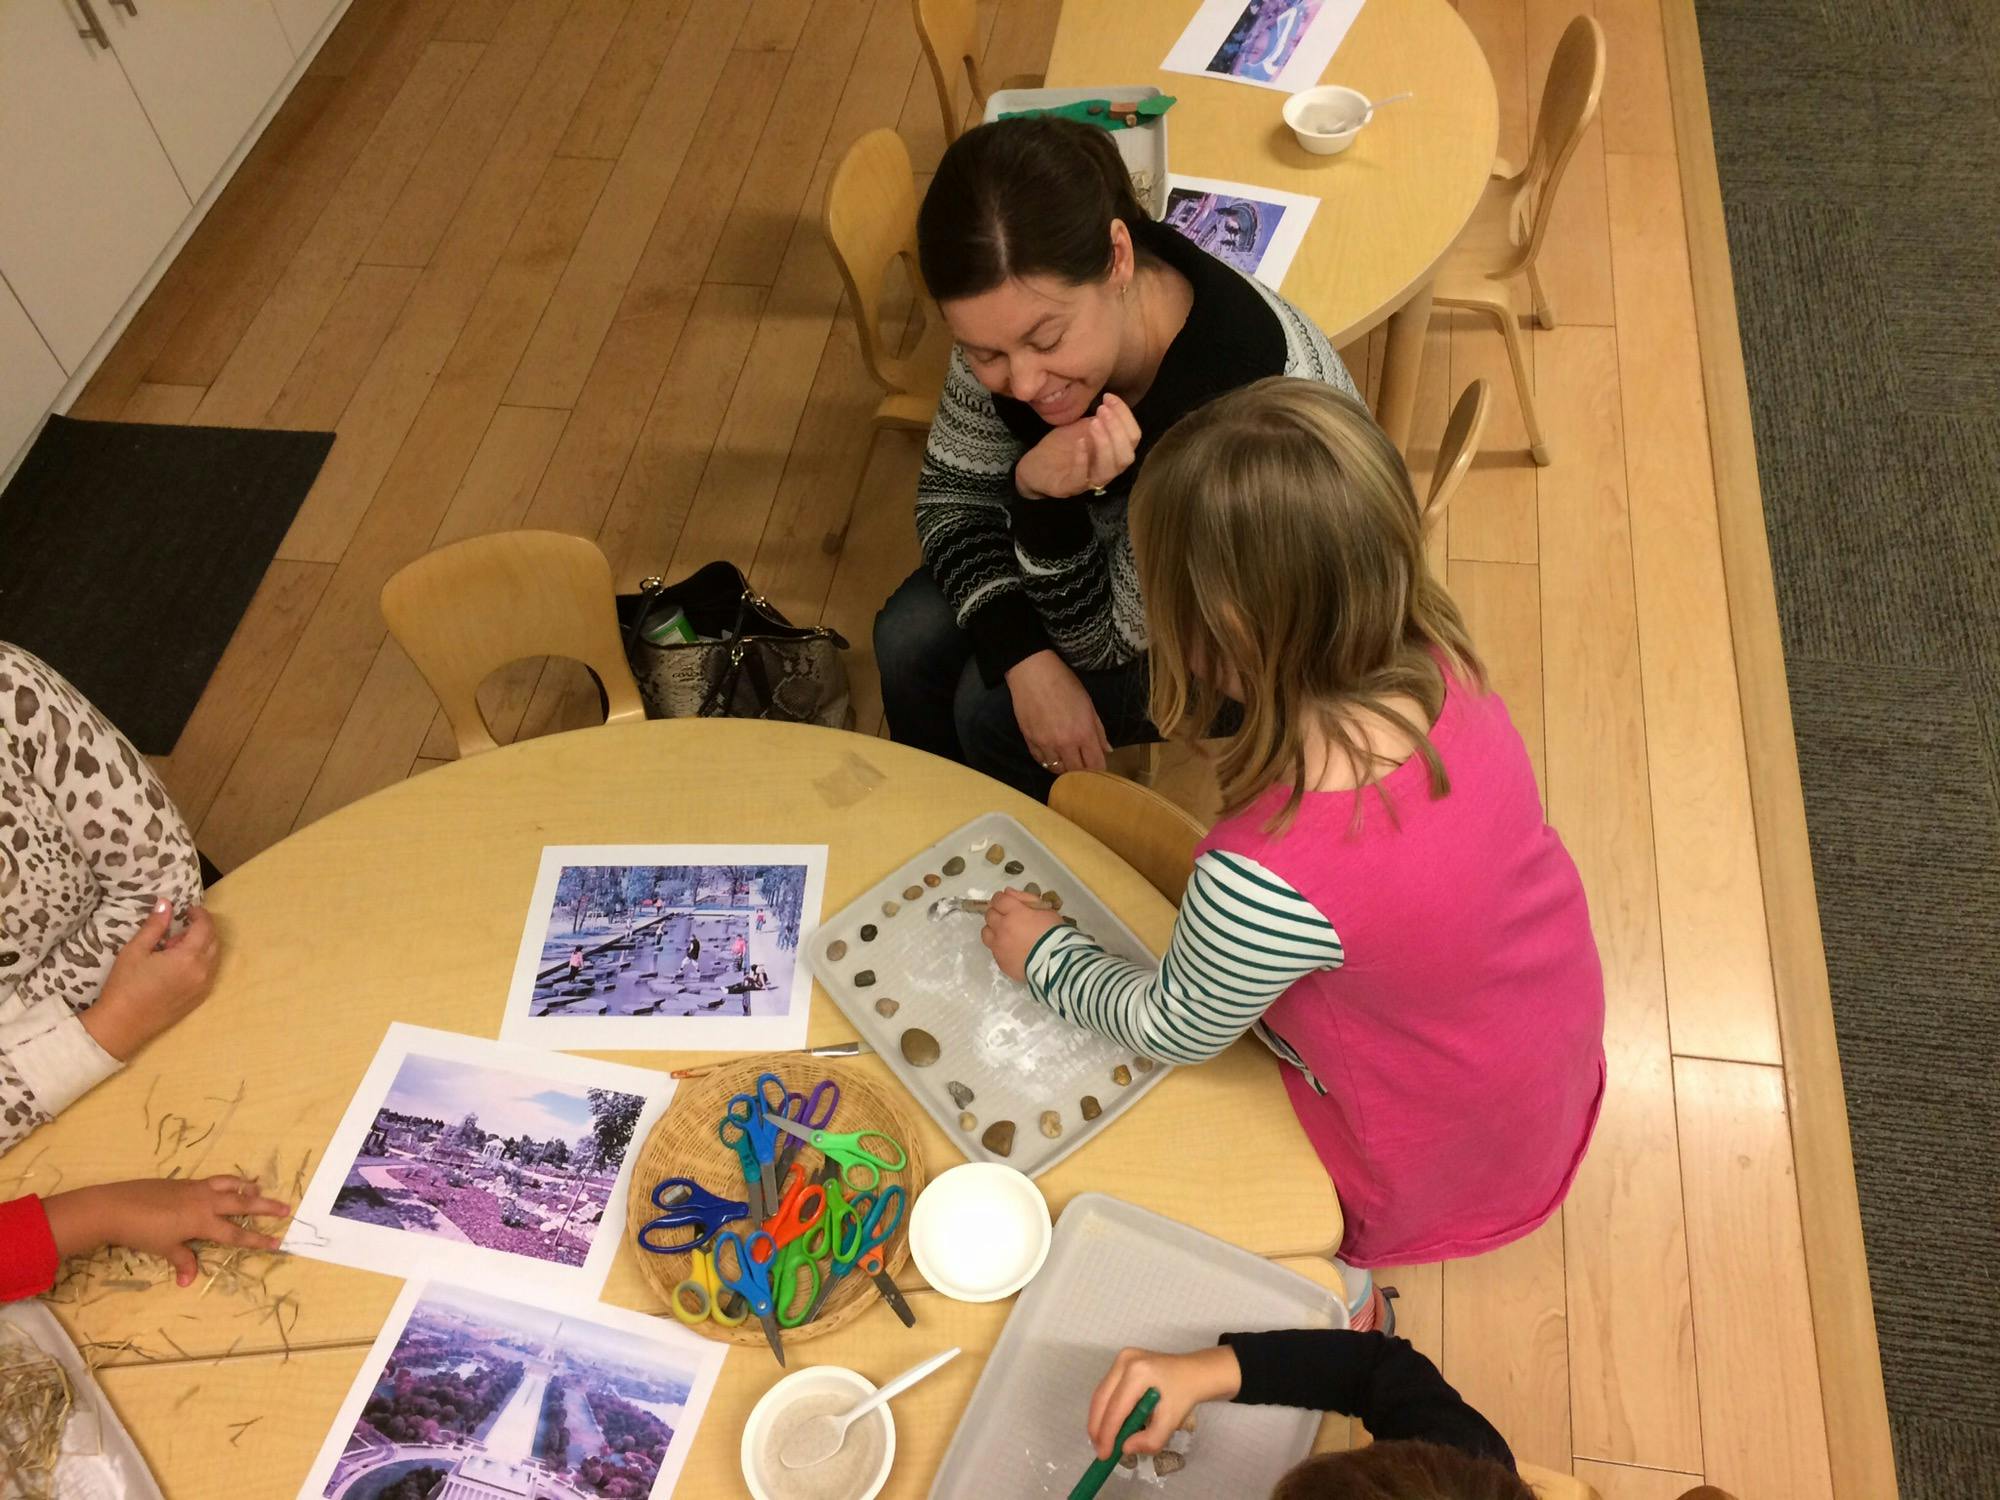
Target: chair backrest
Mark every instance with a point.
(870, 219)
(949, 31)
(1457, 448)
(469, 608)
(1569, 103)
(1136, 823)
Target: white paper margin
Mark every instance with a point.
(1292, 225)
(318, 1233)
(784, 1033)
(1210, 28)
(703, 1356)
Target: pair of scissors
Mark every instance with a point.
(848, 1150)
(866, 1251)
(705, 1287)
(803, 1206)
(842, 1217)
(747, 1121)
(685, 1204)
(737, 1267)
(805, 1110)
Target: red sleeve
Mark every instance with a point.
(28, 1260)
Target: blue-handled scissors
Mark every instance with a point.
(814, 1111)
(736, 1268)
(738, 1140)
(858, 1228)
(685, 1204)
(748, 1119)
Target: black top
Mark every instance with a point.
(1384, 1381)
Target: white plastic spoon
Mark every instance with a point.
(821, 1438)
(1369, 113)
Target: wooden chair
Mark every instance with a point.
(1136, 823)
(1457, 448)
(1506, 231)
(1549, 1484)
(949, 31)
(870, 219)
(464, 610)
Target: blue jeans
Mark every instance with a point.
(936, 700)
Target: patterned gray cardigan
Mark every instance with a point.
(1028, 575)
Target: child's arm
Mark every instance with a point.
(1244, 936)
(158, 1216)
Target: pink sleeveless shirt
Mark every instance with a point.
(1461, 1044)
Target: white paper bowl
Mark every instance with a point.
(812, 1381)
(1312, 114)
(980, 1232)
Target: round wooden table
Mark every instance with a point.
(409, 905)
(1391, 204)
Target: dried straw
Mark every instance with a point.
(35, 1403)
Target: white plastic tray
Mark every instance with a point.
(1144, 147)
(1117, 1276)
(1018, 1057)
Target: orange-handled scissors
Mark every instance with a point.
(798, 1210)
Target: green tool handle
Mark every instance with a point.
(1094, 1476)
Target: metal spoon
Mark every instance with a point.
(944, 906)
(819, 1439)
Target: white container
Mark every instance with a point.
(814, 1380)
(980, 1232)
(1326, 119)
(1144, 147)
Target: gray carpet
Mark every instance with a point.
(1859, 143)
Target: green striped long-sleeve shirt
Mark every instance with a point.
(1244, 936)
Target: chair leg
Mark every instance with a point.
(1510, 334)
(1545, 310)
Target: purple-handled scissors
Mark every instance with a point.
(812, 1111)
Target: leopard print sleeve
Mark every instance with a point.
(88, 840)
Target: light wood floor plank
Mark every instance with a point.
(920, 124)
(342, 348)
(603, 122)
(1576, 256)
(343, 51)
(473, 20)
(1419, 1306)
(1502, 606)
(558, 361)
(381, 734)
(773, 25)
(1638, 115)
(1023, 35)
(1719, 988)
(1761, 1417)
(1507, 1342)
(880, 79)
(1625, 1482)
(1632, 1375)
(425, 763)
(170, 405)
(1495, 518)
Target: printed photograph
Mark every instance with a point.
(671, 940)
(1237, 230)
(1263, 38)
(485, 1397)
(480, 1156)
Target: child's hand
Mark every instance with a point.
(155, 981)
(1014, 924)
(1184, 1381)
(163, 1218)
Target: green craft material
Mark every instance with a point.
(1094, 1476)
(1099, 112)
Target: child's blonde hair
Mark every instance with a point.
(1280, 552)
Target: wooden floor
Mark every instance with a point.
(557, 263)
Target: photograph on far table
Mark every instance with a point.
(1255, 229)
(667, 948)
(473, 1159)
(1275, 44)
(468, 1394)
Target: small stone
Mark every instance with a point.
(1090, 1107)
(1168, 1463)
(920, 1048)
(955, 865)
(1031, 889)
(1128, 1461)
(865, 979)
(968, 1120)
(995, 853)
(886, 1007)
(1052, 900)
(1015, 867)
(933, 881)
(960, 1094)
(1051, 1124)
(868, 932)
(890, 908)
(836, 950)
(1144, 1064)
(914, 893)
(1121, 1075)
(999, 1138)
(1187, 1423)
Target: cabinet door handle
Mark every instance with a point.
(92, 29)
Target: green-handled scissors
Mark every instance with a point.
(847, 1149)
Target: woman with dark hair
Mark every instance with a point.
(1084, 330)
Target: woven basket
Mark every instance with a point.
(684, 1143)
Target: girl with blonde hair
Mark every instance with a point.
(1383, 900)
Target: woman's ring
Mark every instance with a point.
(1051, 765)
(1097, 489)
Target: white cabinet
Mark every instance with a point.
(29, 377)
(87, 197)
(303, 19)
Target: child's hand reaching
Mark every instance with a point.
(1014, 924)
(1184, 1381)
(162, 1218)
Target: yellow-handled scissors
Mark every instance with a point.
(704, 1287)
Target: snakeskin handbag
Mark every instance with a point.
(746, 661)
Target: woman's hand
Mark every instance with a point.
(1082, 457)
(163, 1218)
(1184, 1381)
(154, 982)
(1014, 924)
(1056, 716)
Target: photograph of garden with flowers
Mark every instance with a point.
(482, 1396)
(486, 1157)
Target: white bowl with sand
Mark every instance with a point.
(857, 1472)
